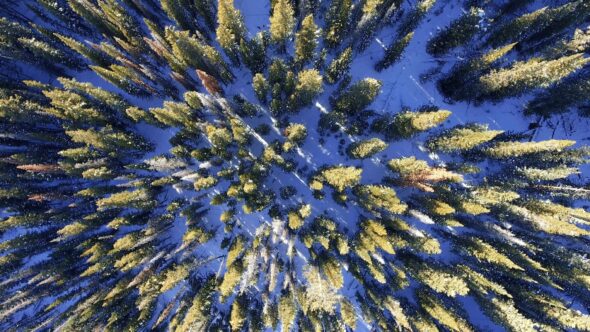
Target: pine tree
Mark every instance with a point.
(319, 296)
(287, 311)
(261, 87)
(209, 82)
(527, 25)
(504, 150)
(547, 174)
(337, 21)
(414, 17)
(96, 56)
(173, 114)
(309, 86)
(561, 97)
(122, 24)
(341, 177)
(174, 275)
(205, 182)
(407, 124)
(417, 173)
(230, 29)
(348, 314)
(442, 282)
(358, 96)
(220, 138)
(371, 12)
(238, 315)
(544, 222)
(111, 101)
(306, 40)
(461, 82)
(295, 220)
(339, 66)
(198, 313)
(462, 138)
(177, 11)
(366, 148)
(394, 52)
(524, 76)
(138, 199)
(282, 22)
(194, 53)
(193, 99)
(484, 251)
(108, 139)
(253, 52)
(25, 44)
(567, 317)
(372, 236)
(456, 34)
(370, 7)
(505, 312)
(240, 131)
(296, 132)
(125, 78)
(15, 109)
(332, 270)
(374, 198)
(578, 43)
(71, 106)
(230, 280)
(445, 316)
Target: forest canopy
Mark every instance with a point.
(294, 165)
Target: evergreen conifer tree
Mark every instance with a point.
(524, 76)
(230, 29)
(358, 96)
(367, 148)
(456, 34)
(306, 40)
(282, 22)
(394, 52)
(339, 66)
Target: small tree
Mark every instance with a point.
(337, 21)
(367, 148)
(341, 177)
(287, 311)
(462, 138)
(358, 96)
(562, 97)
(524, 76)
(309, 86)
(442, 282)
(417, 173)
(282, 22)
(456, 34)
(339, 66)
(261, 87)
(231, 29)
(374, 198)
(306, 40)
(505, 150)
(394, 52)
(295, 133)
(414, 17)
(371, 237)
(407, 123)
(461, 82)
